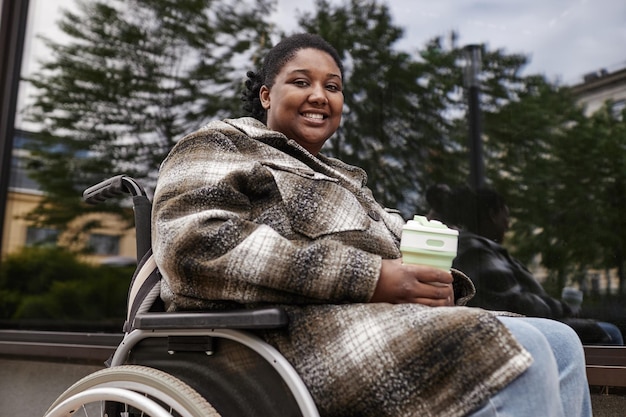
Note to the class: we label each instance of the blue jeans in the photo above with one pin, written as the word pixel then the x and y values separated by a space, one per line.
pixel 614 333
pixel 556 383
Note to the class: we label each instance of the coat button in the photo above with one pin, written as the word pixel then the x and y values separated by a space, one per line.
pixel 374 215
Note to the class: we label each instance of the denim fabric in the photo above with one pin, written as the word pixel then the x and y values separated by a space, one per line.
pixel 614 333
pixel 555 385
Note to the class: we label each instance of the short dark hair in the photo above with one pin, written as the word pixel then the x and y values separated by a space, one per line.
pixel 274 61
pixel 477 206
pixel 463 206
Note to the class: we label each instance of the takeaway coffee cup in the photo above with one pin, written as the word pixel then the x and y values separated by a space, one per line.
pixel 428 242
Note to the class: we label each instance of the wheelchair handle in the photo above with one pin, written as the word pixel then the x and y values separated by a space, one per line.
pixel 122 185
pixel 113 187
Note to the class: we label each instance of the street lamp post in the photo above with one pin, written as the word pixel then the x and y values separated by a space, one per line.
pixel 472 85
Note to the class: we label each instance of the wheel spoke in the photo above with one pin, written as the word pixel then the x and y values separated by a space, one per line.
pixel 133 390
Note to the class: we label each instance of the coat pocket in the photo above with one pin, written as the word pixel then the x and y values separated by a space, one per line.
pixel 317 204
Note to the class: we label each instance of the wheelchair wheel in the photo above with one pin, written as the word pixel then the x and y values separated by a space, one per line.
pixel 130 390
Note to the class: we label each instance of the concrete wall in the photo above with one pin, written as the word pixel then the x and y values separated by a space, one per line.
pixel 28 387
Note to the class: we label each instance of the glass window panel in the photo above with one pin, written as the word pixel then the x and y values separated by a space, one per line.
pixel 36 236
pixel 104 244
pixel 618 109
pixel 557 46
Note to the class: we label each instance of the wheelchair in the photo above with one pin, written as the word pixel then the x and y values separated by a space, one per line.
pixel 187 364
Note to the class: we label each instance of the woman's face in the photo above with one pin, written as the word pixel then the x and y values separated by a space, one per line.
pixel 306 100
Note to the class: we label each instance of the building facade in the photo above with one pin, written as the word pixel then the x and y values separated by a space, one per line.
pixel 599 87
pixel 111 243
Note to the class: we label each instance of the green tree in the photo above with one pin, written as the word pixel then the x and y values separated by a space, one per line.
pixel 127 81
pixel 393 125
pixel 44 283
pixel 608 186
pixel 137 75
pixel 523 138
pixel 563 176
pixel 405 113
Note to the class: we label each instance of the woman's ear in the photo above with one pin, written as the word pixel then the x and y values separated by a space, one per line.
pixel 264 95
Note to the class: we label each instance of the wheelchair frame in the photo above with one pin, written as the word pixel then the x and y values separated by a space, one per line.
pixel 159 392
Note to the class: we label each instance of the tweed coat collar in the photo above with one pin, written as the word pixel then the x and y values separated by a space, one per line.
pixel 256 130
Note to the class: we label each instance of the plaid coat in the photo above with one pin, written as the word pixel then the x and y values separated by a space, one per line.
pixel 244 215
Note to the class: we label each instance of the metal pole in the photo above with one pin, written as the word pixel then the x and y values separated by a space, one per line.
pixel 13 18
pixel 472 83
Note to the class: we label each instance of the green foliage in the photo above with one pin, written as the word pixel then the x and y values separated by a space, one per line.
pixel 46 283
pixel 405 122
pixel 393 120
pixel 405 115
pixel 136 75
pixel 127 81
pixel 563 175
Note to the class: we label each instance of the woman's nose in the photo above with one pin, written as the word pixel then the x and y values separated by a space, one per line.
pixel 318 95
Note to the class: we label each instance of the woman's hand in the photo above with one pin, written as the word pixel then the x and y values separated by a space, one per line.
pixel 403 283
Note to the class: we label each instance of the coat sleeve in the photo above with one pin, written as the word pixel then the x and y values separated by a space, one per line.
pixel 221 233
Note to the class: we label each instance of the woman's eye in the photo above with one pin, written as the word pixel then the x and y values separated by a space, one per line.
pixel 333 87
pixel 301 83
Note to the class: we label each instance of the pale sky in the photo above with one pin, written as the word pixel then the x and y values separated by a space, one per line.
pixel 564 39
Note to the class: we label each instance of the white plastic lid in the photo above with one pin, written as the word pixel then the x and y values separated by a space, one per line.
pixel 422 224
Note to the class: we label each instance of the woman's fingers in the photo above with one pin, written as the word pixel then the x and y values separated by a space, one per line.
pixel 401 283
pixel 434 303
pixel 430 294
pixel 435 276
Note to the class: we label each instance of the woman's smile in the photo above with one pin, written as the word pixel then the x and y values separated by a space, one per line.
pixel 314 116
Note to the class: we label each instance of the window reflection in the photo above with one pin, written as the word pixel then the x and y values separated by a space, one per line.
pixel 104 244
pixel 591 90
pixel 38 236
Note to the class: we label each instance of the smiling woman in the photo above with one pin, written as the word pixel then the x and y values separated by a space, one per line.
pixel 248 211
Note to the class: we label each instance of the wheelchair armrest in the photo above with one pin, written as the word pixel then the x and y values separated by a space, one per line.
pixel 259 318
